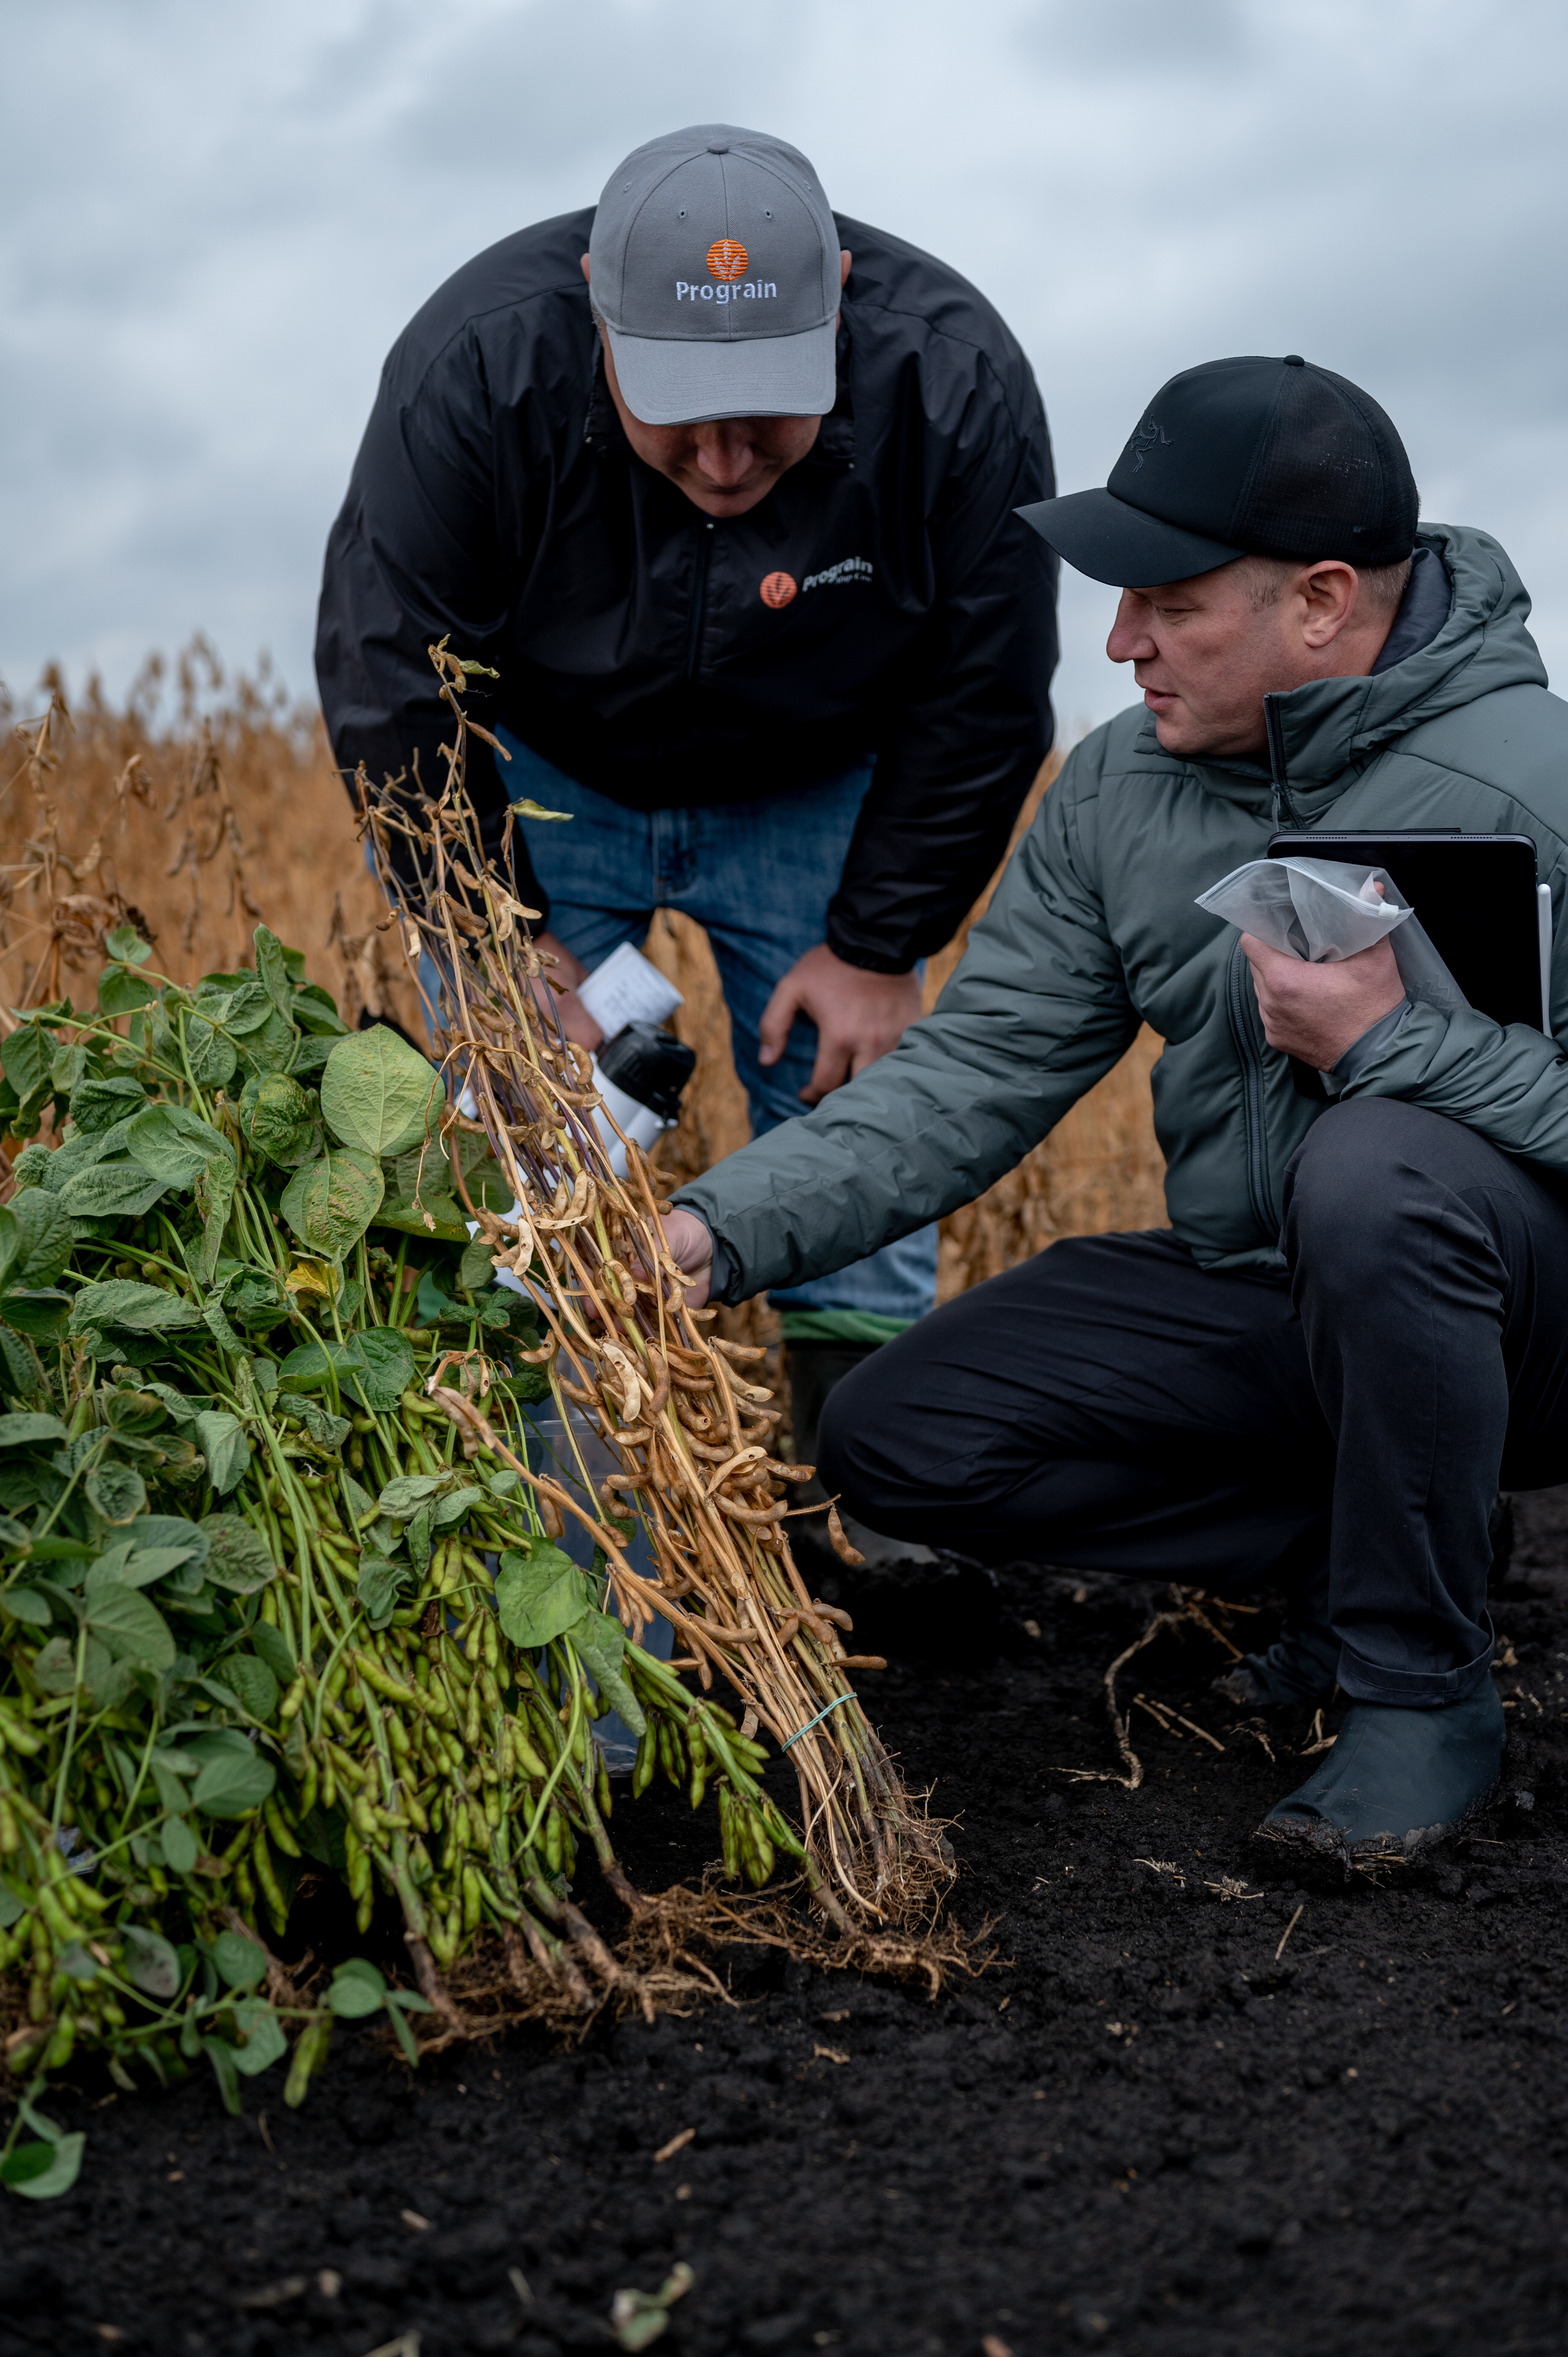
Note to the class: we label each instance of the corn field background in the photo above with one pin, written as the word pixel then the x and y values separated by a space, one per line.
pixel 207 801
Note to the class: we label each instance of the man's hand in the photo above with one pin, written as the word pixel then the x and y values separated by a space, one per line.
pixel 575 1019
pixel 692 1247
pixel 1315 1012
pixel 859 1015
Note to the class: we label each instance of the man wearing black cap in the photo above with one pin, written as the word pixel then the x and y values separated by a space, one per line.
pixel 1356 1327
pixel 746 561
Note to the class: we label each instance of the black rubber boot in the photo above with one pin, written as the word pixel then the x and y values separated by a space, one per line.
pixel 1302 1666
pixel 1397 1781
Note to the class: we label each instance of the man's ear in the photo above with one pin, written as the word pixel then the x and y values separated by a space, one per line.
pixel 1329 591
pixel 846 258
pixel 586 271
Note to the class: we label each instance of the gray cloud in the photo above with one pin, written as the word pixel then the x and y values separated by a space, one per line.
pixel 215 221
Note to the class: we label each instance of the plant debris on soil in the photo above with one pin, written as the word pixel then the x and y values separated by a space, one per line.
pixel 1198 2102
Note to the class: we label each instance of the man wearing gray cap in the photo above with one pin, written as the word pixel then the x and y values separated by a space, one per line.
pixel 1355 1330
pixel 748 563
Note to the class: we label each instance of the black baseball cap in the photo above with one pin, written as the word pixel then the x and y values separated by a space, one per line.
pixel 1243 457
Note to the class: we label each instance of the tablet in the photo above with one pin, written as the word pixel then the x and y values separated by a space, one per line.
pixel 1477 895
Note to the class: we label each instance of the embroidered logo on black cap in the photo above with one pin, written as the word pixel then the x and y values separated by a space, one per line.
pixel 1148 437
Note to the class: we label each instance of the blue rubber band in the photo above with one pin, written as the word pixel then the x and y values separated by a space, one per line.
pixel 820 1715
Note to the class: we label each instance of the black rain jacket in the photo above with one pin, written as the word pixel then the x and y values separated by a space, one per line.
pixel 495 499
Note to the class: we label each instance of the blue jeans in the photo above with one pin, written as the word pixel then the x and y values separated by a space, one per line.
pixel 757 878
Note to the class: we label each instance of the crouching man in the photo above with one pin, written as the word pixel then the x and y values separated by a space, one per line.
pixel 1355 1327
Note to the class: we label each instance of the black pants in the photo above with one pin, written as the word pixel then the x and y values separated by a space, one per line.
pixel 1347 1420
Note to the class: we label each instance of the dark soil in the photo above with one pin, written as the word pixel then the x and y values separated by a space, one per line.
pixel 1143 2130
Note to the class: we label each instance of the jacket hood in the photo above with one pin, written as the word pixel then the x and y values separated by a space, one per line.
pixel 1325 731
pixel 1321 729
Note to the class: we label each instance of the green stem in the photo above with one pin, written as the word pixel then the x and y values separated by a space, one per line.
pixel 70 1732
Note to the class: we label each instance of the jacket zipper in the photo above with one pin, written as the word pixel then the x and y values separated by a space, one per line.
pixel 1274 722
pixel 1239 1004
pixel 699 600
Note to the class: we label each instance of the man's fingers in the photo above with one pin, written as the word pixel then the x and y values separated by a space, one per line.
pixel 829 1072
pixel 778 1017
pixel 691 1245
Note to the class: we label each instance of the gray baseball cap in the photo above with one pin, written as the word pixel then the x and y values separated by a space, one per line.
pixel 715 262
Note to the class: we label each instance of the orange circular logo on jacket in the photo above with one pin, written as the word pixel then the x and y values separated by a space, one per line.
pixel 778 590
pixel 727 258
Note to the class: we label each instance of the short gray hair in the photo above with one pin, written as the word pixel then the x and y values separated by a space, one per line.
pixel 1264 578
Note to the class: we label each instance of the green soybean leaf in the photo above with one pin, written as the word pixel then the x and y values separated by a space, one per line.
pixel 254 1683
pixel 97 1105
pixel 43 1317
pixel 149 1962
pixel 241 1963
pixel 133 1629
pixel 117 1492
pixel 216 1183
pixel 230 1786
pixel 175 1146
pixel 221 1440
pixel 274 1649
pixel 126 945
pixel 600 1641
pixel 306 1367
pixel 264 2041
pixel 330 1204
pixel 179 1845
pixel 540 1595
pixel 135 1567
pixel 240 1560
pixel 28 1429
pixel 378 1093
pixel 271 972
pixel 280 1119
pixel 25 1056
pixel 385 1368
pixel 171 1531
pixel 405 1493
pixel 42 2171
pixel 42 1239
pixel 121 992
pixel 112 1190
pixel 356 1990
pixel 379 1587
pixel 224 2061
pixel 455 1507
pixel 141 1309
pixel 212 1059
pixel 25 1604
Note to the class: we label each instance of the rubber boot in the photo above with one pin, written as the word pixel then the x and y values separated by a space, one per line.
pixel 1397 1781
pixel 814 1369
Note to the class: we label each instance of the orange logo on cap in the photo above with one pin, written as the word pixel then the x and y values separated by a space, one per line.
pixel 778 590
pixel 727 258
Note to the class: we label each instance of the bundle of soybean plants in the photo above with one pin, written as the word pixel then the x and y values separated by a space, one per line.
pixel 266 1612
pixel 694 1436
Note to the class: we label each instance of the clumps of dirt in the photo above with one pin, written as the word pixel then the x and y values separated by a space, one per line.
pixel 1197 2105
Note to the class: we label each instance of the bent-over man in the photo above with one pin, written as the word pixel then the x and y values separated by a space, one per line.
pixel 724 486
pixel 1355 1327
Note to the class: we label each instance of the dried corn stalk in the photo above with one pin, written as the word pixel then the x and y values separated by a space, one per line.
pixel 692 1436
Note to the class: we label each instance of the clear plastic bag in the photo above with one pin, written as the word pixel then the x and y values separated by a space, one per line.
pixel 1325 909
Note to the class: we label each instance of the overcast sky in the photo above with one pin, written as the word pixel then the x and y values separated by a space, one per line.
pixel 215 221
